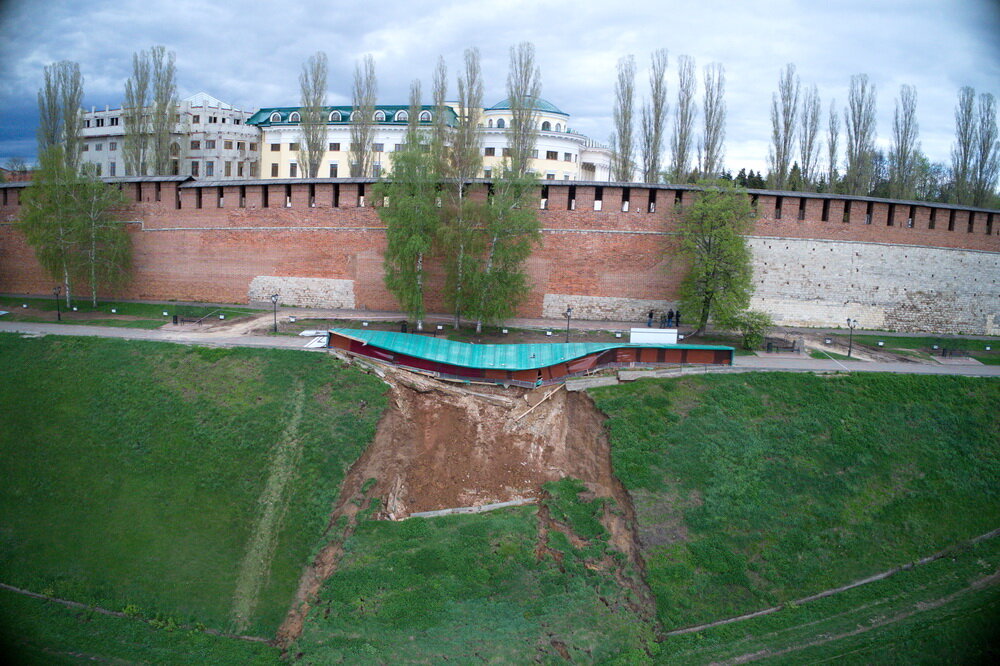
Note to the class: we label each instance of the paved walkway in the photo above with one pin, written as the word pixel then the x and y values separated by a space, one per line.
pixel 773 362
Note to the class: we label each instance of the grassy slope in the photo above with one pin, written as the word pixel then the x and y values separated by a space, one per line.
pixel 785 485
pixel 470 588
pixel 133 470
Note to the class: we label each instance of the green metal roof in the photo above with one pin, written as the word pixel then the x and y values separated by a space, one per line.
pixel 502 357
pixel 262 117
pixel 539 104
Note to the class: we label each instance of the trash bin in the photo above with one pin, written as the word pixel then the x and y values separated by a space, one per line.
pixel 402 327
pixel 175 320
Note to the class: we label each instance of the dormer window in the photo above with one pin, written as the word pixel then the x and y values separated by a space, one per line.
pixel 379 116
pixel 335 116
pixel 275 117
pixel 501 124
pixel 425 116
pixel 354 116
pixel 402 116
pixel 546 126
pixel 558 127
pixel 294 117
pixel 490 123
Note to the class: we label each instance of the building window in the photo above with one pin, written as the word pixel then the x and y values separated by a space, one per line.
pixel 194 168
pixel 237 121
pixel 402 116
pixel 333 171
pixel 99 122
pixel 335 117
pixel 534 154
pixel 253 169
pixel 355 147
pixel 505 152
pixel 487 173
pixel 501 124
pixel 223 120
pixel 490 123
pixel 209 144
pixel 239 169
pixel 293 146
pixel 113 122
pixel 113 145
pixel 551 155
pixel 213 119
pixel 550 176
pixel 196 145
pixel 379 116
pixel 274 171
pixel 294 117
pixel 546 126
pixel 209 168
pixel 275 147
pixel 86 123
pixel 99 147
pixel 567 157
pixel 293 170
pixel 425 117
pixel 398 147
pixel 378 147
pixel 490 151
pixel 241 145
pixel 195 120
pixel 253 146
pixel 98 168
pixel 111 169
pixel 334 147
pixel 275 117
pixel 354 116
pixel 86 147
pixel 376 169
pixel 228 145
pixel 229 169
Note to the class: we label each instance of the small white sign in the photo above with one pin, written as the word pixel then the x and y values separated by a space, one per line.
pixel 653 336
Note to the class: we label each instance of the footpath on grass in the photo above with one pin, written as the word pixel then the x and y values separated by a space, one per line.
pixel 236 338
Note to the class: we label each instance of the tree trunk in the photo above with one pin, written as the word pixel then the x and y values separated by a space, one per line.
pixel 482 296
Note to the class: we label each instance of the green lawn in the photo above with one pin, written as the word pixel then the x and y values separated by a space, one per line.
pixel 146 310
pixel 140 474
pixel 756 489
pixel 116 323
pixel 925 342
pixel 470 589
pixel 816 353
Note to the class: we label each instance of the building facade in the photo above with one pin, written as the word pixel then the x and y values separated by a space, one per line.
pixel 210 139
pixel 560 152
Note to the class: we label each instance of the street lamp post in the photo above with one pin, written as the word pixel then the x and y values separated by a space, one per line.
pixel 569 315
pixel 274 303
pixel 55 294
pixel 851 324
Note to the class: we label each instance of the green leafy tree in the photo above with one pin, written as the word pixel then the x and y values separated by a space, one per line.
pixel 411 217
pixel 67 220
pixel 752 325
pixel 509 232
pixel 713 241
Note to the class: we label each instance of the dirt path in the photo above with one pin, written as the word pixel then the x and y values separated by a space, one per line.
pixel 441 446
pixel 273 506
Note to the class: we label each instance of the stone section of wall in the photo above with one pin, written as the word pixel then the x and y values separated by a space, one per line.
pixel 604 308
pixel 901 288
pixel 302 291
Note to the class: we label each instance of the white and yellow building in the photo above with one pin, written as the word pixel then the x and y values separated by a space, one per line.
pixel 560 152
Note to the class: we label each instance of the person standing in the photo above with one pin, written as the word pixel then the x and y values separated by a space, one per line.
pixel 670 317
pixel 663 320
pixel 649 319
pixel 677 318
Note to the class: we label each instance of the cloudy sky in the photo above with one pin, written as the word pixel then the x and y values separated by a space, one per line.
pixel 249 53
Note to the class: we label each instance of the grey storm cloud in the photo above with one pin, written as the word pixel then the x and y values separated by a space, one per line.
pixel 249 53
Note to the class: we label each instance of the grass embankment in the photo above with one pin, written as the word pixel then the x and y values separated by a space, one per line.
pixel 759 489
pixel 139 475
pixel 127 314
pixel 476 588
pixel 924 345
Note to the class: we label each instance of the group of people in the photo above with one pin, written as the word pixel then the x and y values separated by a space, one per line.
pixel 668 319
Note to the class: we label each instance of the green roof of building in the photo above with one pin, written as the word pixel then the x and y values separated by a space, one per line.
pixel 502 357
pixel 539 105
pixel 262 117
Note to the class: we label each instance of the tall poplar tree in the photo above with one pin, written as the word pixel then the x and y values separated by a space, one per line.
pixel 622 141
pixel 784 114
pixel 965 139
pixel 832 141
pixel 312 117
pixel 136 118
pixel 683 133
pixel 150 112
pixel 905 148
pixel 809 137
pixel 986 154
pixel 859 123
pixel 363 118
pixel 714 137
pixel 60 113
pixel 653 119
pixel 411 216
pixel 524 89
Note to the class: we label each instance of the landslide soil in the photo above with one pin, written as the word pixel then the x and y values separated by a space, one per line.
pixel 441 446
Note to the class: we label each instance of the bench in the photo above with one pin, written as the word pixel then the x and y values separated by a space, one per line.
pixel 781 345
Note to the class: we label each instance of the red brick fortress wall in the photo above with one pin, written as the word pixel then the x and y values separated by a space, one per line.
pixel 607 250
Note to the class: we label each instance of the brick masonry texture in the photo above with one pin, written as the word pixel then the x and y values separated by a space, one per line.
pixel 932 269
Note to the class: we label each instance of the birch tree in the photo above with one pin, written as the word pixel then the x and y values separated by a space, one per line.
pixel 412 216
pixel 312 119
pixel 524 88
pixel 683 131
pixel 60 113
pixel 784 114
pixel 365 93
pixel 715 121
pixel 105 247
pixel 653 119
pixel 622 141
pixel 905 147
pixel 859 123
pixel 809 137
